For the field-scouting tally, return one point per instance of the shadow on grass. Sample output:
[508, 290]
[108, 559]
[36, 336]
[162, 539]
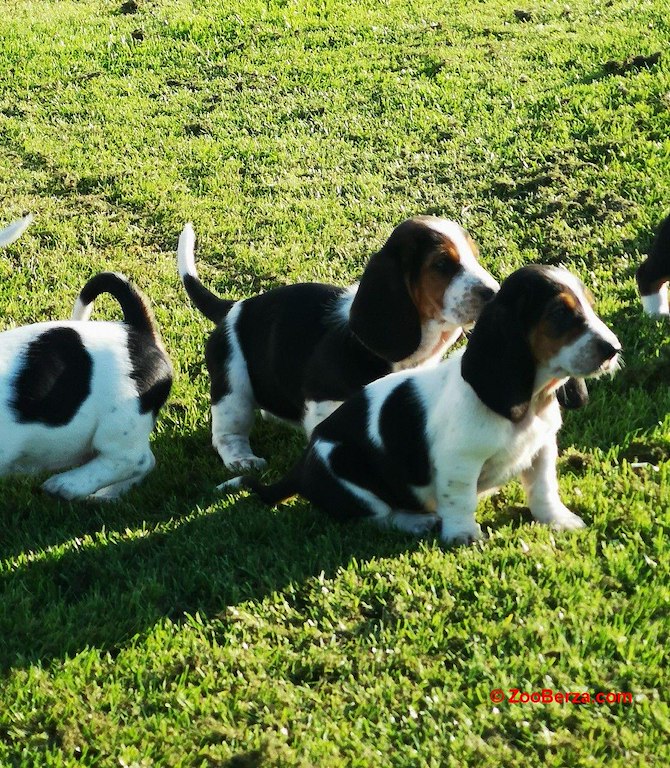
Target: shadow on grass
[205, 560]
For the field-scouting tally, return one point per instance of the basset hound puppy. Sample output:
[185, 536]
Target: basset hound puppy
[416, 449]
[653, 274]
[83, 394]
[298, 351]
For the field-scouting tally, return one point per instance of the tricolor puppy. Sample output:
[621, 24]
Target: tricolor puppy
[653, 274]
[84, 394]
[298, 351]
[417, 448]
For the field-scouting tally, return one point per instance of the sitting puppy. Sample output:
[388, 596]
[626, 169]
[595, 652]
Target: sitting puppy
[84, 394]
[417, 448]
[298, 351]
[654, 273]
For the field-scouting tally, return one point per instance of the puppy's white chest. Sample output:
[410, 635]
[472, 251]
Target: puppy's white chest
[523, 443]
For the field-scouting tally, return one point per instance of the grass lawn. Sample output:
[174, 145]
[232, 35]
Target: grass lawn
[179, 628]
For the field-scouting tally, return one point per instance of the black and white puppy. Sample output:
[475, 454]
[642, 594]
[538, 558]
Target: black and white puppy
[298, 351]
[653, 274]
[417, 448]
[84, 394]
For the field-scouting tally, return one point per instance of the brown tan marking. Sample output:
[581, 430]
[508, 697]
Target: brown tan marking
[428, 289]
[544, 342]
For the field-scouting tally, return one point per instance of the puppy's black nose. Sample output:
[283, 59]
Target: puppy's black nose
[607, 350]
[485, 293]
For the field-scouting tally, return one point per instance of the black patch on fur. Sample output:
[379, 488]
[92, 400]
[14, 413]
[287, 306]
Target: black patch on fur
[341, 366]
[290, 343]
[403, 429]
[54, 380]
[217, 356]
[387, 472]
[655, 270]
[151, 371]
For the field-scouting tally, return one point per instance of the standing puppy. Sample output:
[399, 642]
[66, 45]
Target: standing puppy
[84, 394]
[298, 351]
[653, 274]
[418, 448]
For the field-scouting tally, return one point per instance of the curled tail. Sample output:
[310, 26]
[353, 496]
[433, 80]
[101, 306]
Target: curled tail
[269, 494]
[211, 306]
[135, 308]
[14, 230]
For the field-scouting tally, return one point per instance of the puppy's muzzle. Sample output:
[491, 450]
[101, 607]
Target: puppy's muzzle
[608, 354]
[484, 293]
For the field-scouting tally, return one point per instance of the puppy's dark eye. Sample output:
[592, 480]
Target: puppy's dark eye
[445, 266]
[562, 317]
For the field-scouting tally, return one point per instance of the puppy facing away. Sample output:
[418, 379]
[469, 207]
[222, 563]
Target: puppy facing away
[653, 274]
[417, 448]
[84, 394]
[298, 351]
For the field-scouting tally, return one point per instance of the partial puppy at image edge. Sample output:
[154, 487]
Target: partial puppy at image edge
[119, 371]
[653, 275]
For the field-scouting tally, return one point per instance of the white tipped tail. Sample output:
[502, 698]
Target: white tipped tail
[186, 252]
[81, 311]
[15, 230]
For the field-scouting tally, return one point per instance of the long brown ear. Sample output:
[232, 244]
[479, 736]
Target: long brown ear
[383, 315]
[573, 394]
[498, 363]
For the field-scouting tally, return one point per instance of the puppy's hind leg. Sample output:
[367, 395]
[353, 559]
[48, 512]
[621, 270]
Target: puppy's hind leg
[116, 490]
[121, 458]
[112, 473]
[233, 402]
[232, 419]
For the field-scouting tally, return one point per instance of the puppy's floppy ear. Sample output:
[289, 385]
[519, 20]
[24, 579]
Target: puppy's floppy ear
[383, 315]
[573, 394]
[498, 363]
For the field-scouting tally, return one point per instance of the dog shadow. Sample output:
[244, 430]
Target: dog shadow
[203, 559]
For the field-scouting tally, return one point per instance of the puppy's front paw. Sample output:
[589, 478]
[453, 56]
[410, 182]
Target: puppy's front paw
[567, 521]
[461, 535]
[245, 464]
[560, 518]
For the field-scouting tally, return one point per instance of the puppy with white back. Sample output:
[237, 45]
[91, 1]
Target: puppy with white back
[416, 449]
[298, 351]
[83, 395]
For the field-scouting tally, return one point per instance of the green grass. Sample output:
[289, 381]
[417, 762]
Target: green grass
[178, 628]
